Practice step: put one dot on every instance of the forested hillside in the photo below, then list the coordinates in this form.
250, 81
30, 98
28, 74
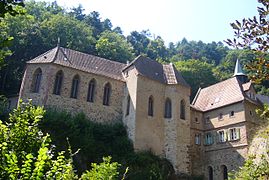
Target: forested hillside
38, 29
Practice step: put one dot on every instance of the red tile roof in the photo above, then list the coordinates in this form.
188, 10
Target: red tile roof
223, 93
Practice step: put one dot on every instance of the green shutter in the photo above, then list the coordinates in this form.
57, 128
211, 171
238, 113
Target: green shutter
237, 133
228, 135
225, 135
217, 137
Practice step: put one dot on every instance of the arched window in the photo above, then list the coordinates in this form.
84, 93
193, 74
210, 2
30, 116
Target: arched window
58, 83
150, 106
107, 92
91, 91
168, 108
36, 80
128, 105
210, 173
74, 89
224, 172
182, 109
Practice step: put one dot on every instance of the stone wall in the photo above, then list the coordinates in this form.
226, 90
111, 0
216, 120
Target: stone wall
197, 150
95, 111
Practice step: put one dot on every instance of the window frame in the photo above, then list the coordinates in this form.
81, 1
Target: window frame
36, 82
128, 105
75, 87
107, 94
58, 83
182, 109
197, 139
91, 90
168, 109
150, 106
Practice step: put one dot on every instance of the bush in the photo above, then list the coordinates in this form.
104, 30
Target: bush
26, 153
98, 140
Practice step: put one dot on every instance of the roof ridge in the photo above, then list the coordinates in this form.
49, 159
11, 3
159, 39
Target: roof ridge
43, 54
218, 83
196, 96
104, 59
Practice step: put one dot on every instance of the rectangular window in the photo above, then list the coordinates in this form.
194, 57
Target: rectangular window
234, 134
207, 120
232, 114
220, 116
208, 139
221, 136
197, 139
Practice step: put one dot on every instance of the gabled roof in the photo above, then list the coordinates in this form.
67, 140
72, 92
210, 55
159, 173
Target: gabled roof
149, 68
246, 86
264, 99
81, 61
221, 94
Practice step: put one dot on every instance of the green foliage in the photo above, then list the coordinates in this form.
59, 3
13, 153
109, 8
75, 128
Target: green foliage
252, 170
105, 170
26, 153
252, 33
114, 46
98, 140
9, 7
196, 73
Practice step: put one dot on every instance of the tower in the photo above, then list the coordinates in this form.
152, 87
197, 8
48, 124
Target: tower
238, 72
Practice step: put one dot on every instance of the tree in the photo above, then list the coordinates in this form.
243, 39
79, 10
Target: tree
157, 50
196, 73
252, 33
9, 7
139, 41
27, 153
114, 46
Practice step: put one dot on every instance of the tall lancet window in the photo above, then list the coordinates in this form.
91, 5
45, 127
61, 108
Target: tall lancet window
91, 90
168, 108
182, 109
150, 106
128, 105
58, 83
36, 81
107, 93
74, 89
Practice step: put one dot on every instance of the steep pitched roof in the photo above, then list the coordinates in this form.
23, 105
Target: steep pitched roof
81, 61
264, 99
149, 68
246, 86
238, 69
223, 93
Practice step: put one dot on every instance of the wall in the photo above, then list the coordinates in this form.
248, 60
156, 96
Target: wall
96, 110
197, 150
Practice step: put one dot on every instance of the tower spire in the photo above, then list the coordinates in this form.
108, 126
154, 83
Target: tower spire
238, 72
238, 69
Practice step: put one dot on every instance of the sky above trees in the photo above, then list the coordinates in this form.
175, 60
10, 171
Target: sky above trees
206, 20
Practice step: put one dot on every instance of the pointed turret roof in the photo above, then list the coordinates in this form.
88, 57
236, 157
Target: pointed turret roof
238, 69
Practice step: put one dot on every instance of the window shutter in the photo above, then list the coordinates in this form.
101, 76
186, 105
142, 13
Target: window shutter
212, 138
228, 135
217, 137
225, 136
237, 133
205, 140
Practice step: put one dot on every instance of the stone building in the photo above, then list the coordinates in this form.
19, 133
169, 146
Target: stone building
208, 137
223, 119
151, 99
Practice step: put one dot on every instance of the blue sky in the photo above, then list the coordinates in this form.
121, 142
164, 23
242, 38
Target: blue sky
206, 20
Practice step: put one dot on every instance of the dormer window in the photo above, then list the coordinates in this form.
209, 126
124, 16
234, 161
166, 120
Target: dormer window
220, 116
232, 114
